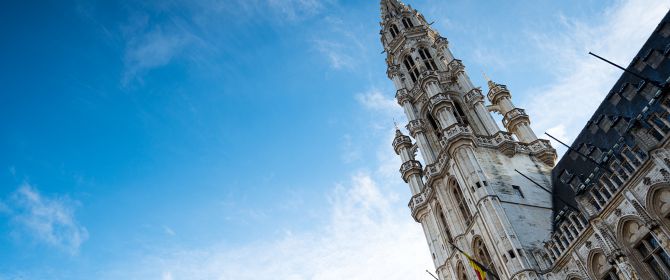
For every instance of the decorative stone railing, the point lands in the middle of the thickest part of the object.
(435, 170)
(402, 96)
(416, 126)
(513, 115)
(438, 101)
(399, 141)
(453, 133)
(420, 201)
(410, 167)
(496, 90)
(456, 67)
(540, 145)
(474, 95)
(495, 140)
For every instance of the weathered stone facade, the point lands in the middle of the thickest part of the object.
(470, 194)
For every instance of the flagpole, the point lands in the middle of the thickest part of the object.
(431, 274)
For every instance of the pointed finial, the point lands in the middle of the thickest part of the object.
(490, 83)
(397, 130)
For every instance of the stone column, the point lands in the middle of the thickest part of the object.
(416, 126)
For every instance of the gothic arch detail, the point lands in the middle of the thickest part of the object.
(599, 267)
(658, 203)
(482, 254)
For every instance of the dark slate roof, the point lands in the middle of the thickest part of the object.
(592, 137)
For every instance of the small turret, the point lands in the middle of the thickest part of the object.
(411, 168)
(515, 119)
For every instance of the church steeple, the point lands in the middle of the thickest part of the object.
(390, 7)
(466, 157)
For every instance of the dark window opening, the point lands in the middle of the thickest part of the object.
(434, 124)
(427, 60)
(462, 205)
(394, 30)
(407, 23)
(511, 254)
(411, 68)
(460, 114)
(518, 190)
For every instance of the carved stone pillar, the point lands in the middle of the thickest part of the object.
(625, 269)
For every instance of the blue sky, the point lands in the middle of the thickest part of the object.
(250, 139)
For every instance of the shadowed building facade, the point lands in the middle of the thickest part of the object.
(467, 194)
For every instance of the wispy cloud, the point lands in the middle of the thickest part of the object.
(297, 9)
(373, 99)
(48, 220)
(150, 46)
(366, 237)
(565, 105)
(336, 53)
(342, 44)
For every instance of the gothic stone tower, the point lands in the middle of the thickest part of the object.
(468, 193)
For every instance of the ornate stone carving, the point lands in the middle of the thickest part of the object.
(419, 202)
(496, 92)
(456, 67)
(439, 101)
(416, 126)
(401, 141)
(409, 168)
(402, 96)
(514, 116)
(473, 96)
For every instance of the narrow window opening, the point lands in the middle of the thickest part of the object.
(434, 125)
(460, 114)
(511, 254)
(394, 30)
(407, 23)
(462, 205)
(411, 68)
(427, 59)
(444, 225)
(518, 190)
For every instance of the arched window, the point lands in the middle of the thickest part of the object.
(483, 256)
(462, 205)
(444, 224)
(427, 59)
(602, 269)
(411, 68)
(394, 30)
(648, 250)
(407, 23)
(434, 125)
(661, 204)
(460, 272)
(460, 114)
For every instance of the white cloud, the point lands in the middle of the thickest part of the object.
(149, 49)
(366, 237)
(375, 100)
(582, 81)
(336, 53)
(47, 220)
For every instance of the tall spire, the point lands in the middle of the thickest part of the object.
(490, 83)
(390, 7)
